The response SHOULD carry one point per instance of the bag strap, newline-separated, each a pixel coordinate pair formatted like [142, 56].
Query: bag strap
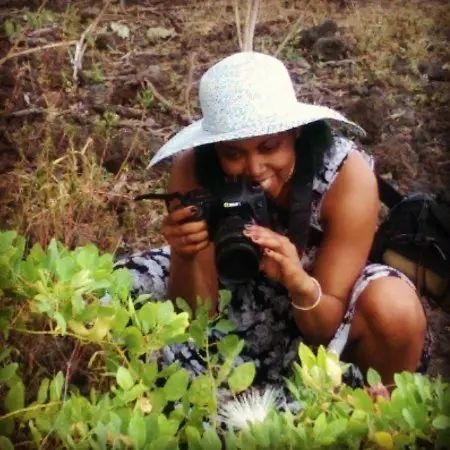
[388, 194]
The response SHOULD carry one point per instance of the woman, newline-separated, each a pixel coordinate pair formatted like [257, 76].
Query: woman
[253, 126]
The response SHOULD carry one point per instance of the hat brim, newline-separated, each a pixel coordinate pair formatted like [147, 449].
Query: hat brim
[300, 114]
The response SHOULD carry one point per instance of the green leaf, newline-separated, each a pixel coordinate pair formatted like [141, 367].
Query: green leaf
[147, 316]
[7, 372]
[362, 400]
[15, 399]
[56, 387]
[307, 358]
[242, 377]
[5, 443]
[183, 305]
[149, 371]
[320, 424]
[43, 391]
[133, 339]
[6, 240]
[65, 268]
[231, 441]
[165, 312]
[406, 413]
[193, 437]
[124, 378]
[210, 440]
[230, 345]
[201, 390]
[225, 326]
[137, 430]
[176, 385]
[373, 377]
[441, 422]
[62, 324]
[225, 297]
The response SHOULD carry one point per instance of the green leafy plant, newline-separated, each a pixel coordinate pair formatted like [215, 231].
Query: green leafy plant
[133, 401]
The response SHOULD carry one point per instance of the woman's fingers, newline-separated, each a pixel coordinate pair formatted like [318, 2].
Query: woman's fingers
[181, 215]
[269, 239]
[183, 229]
[185, 236]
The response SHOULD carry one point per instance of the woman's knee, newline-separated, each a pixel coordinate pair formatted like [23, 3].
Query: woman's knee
[390, 309]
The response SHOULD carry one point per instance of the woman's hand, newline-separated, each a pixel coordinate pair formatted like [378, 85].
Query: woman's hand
[184, 237]
[280, 260]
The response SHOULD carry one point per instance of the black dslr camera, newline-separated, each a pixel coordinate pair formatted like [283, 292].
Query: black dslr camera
[237, 203]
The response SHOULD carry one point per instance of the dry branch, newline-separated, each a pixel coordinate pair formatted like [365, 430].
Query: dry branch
[188, 89]
[250, 23]
[29, 51]
[237, 20]
[292, 31]
[81, 44]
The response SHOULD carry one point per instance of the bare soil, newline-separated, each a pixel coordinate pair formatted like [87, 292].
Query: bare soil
[383, 64]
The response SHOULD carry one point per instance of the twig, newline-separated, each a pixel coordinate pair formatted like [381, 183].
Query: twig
[130, 151]
[162, 99]
[24, 112]
[29, 51]
[291, 32]
[11, 53]
[248, 38]
[252, 24]
[237, 19]
[81, 45]
[187, 92]
[72, 364]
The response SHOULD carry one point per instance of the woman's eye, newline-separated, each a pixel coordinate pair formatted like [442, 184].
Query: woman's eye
[270, 145]
[231, 155]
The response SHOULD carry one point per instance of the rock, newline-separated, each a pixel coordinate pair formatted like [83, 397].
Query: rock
[398, 158]
[309, 36]
[159, 33]
[329, 49]
[434, 71]
[370, 112]
[361, 91]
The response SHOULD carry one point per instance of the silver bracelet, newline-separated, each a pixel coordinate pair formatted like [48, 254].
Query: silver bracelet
[319, 297]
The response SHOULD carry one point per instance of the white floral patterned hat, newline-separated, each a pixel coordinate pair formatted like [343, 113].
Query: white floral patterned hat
[244, 95]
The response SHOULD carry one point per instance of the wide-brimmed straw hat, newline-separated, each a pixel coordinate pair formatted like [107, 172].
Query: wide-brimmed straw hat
[244, 95]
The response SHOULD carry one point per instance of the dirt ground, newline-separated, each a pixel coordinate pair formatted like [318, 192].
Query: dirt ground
[385, 64]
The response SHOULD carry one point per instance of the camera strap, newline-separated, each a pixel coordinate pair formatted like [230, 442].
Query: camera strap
[301, 200]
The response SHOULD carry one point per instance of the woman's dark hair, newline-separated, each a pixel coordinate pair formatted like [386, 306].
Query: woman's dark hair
[314, 141]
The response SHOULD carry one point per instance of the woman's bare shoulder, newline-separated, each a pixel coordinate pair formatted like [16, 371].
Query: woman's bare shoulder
[355, 188]
[182, 175]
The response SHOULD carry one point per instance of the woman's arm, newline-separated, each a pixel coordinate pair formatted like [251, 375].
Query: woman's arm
[194, 275]
[349, 212]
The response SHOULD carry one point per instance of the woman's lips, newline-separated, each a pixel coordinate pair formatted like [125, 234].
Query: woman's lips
[266, 182]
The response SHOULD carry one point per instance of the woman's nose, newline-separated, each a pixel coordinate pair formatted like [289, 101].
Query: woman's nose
[254, 167]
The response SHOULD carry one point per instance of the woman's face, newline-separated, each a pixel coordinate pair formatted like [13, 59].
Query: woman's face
[268, 160]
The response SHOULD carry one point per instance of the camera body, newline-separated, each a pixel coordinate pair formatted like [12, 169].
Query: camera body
[236, 203]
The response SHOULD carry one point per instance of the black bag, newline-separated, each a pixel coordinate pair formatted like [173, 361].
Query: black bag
[415, 238]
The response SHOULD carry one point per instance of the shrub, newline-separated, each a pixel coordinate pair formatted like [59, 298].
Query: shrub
[65, 312]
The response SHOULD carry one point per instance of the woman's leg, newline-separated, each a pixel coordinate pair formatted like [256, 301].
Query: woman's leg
[388, 328]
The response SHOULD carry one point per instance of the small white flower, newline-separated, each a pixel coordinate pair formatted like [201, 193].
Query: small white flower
[249, 408]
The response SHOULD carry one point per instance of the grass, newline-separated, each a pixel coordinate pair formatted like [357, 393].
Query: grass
[59, 186]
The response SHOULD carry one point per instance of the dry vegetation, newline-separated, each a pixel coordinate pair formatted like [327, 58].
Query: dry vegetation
[91, 89]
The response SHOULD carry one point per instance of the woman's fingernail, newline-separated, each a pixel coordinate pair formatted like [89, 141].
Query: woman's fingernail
[247, 232]
[248, 226]
[193, 209]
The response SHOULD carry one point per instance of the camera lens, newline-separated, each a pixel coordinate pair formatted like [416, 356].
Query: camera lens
[237, 257]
